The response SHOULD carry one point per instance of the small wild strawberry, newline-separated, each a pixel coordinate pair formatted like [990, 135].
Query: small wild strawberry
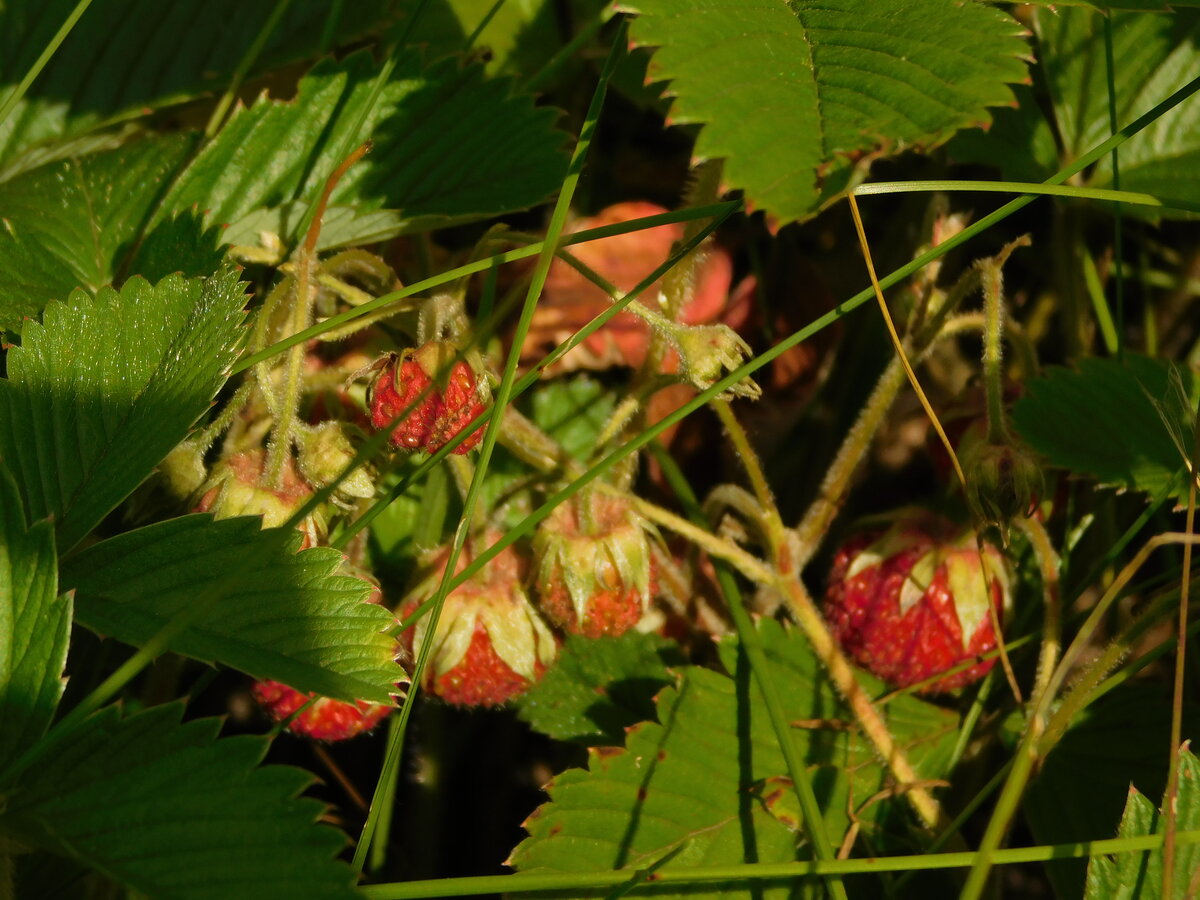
[490, 644]
[326, 719]
[910, 602]
[594, 565]
[235, 487]
[434, 397]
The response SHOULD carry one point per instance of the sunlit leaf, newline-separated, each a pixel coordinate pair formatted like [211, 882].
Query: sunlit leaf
[789, 92]
[101, 390]
[248, 600]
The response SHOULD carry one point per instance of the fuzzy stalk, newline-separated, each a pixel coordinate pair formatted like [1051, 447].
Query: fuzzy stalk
[746, 563]
[992, 278]
[768, 514]
[1048, 563]
[868, 717]
[835, 485]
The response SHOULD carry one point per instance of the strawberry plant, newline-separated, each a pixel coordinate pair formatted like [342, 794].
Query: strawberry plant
[576, 449]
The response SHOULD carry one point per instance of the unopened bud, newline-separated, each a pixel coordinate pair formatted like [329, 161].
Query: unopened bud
[1004, 480]
[708, 352]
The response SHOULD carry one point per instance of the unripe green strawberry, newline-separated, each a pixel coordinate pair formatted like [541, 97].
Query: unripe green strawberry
[235, 488]
[490, 644]
[909, 602]
[594, 565]
[324, 453]
[434, 396]
[1004, 481]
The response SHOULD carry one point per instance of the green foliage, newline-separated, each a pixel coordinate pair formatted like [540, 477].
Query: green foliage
[245, 598]
[448, 144]
[73, 223]
[169, 810]
[1118, 740]
[1157, 54]
[598, 688]
[704, 779]
[101, 390]
[126, 58]
[787, 92]
[573, 412]
[35, 625]
[1138, 876]
[1123, 424]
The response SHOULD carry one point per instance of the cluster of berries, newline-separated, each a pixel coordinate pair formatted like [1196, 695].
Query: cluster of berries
[591, 575]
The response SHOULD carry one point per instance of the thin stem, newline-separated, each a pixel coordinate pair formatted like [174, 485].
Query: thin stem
[898, 344]
[776, 533]
[1045, 189]
[1171, 796]
[40, 63]
[824, 509]
[746, 563]
[243, 67]
[1048, 564]
[1110, 78]
[869, 719]
[501, 400]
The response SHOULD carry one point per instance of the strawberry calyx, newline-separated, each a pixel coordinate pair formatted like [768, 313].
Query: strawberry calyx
[594, 565]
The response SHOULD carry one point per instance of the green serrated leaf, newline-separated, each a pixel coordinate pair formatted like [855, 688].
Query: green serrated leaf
[1155, 55]
[635, 806]
[170, 811]
[1138, 876]
[101, 390]
[1077, 794]
[70, 224]
[598, 688]
[787, 91]
[1104, 420]
[35, 626]
[573, 411]
[250, 602]
[127, 58]
[447, 143]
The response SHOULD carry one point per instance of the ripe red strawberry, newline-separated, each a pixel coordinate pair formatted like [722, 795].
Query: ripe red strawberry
[911, 601]
[594, 565]
[441, 398]
[404, 385]
[325, 719]
[490, 643]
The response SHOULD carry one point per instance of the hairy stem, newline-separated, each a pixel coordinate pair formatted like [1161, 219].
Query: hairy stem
[869, 718]
[993, 381]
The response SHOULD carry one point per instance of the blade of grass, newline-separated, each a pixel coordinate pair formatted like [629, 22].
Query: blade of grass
[781, 872]
[1110, 77]
[1009, 187]
[501, 399]
[51, 48]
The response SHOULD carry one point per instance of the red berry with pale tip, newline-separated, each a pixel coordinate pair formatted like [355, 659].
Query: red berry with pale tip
[490, 644]
[912, 601]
